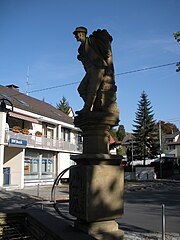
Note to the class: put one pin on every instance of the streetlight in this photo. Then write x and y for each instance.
(3, 105)
(5, 110)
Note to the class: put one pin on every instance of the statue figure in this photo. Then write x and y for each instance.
(97, 88)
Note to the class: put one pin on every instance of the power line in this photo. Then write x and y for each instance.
(173, 120)
(145, 69)
(49, 88)
(123, 73)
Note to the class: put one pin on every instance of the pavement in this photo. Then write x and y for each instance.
(36, 202)
(143, 209)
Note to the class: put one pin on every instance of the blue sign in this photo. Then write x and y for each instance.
(17, 142)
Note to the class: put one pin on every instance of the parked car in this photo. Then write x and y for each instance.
(123, 164)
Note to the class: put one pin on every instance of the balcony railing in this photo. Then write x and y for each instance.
(43, 142)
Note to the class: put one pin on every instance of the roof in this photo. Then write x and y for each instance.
(128, 138)
(27, 103)
(111, 140)
(172, 135)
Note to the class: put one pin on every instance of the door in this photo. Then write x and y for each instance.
(6, 173)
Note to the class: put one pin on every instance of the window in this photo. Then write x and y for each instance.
(65, 134)
(172, 147)
(80, 139)
(49, 133)
(31, 168)
(38, 165)
(47, 166)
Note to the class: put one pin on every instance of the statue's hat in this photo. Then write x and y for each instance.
(80, 29)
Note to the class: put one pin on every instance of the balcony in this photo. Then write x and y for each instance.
(43, 142)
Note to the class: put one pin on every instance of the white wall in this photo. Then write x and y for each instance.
(36, 127)
(14, 158)
(64, 162)
(178, 150)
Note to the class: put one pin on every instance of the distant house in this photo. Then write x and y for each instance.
(113, 145)
(36, 140)
(171, 144)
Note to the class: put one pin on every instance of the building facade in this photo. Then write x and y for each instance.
(36, 140)
(171, 144)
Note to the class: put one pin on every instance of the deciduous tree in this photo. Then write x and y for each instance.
(177, 38)
(121, 132)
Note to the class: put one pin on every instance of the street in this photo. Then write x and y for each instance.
(143, 207)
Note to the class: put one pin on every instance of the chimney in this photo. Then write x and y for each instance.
(12, 86)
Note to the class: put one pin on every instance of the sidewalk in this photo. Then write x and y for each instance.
(14, 200)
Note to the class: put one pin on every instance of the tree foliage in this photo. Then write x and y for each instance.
(121, 133)
(178, 67)
(63, 105)
(177, 38)
(145, 131)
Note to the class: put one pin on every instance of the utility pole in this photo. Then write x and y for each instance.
(132, 154)
(160, 144)
(160, 140)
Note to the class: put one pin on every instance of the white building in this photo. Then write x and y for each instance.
(27, 158)
(172, 144)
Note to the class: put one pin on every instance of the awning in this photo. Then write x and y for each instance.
(23, 117)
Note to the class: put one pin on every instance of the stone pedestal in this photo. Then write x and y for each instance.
(96, 192)
(97, 183)
(95, 128)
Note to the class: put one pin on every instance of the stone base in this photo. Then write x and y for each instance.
(104, 230)
(95, 128)
(96, 192)
(97, 159)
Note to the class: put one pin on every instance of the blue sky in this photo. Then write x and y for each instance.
(38, 34)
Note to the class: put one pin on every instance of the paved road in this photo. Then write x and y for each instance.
(142, 211)
(143, 205)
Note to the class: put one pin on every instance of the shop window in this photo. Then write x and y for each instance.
(38, 165)
(31, 165)
(47, 167)
(31, 168)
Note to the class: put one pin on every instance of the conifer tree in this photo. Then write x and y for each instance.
(145, 131)
(63, 105)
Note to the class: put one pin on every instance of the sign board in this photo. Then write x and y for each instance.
(13, 142)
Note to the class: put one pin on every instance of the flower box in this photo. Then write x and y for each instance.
(38, 134)
(16, 129)
(25, 131)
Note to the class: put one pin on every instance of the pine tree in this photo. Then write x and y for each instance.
(64, 106)
(145, 132)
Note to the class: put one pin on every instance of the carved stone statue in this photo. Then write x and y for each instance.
(96, 183)
(97, 88)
